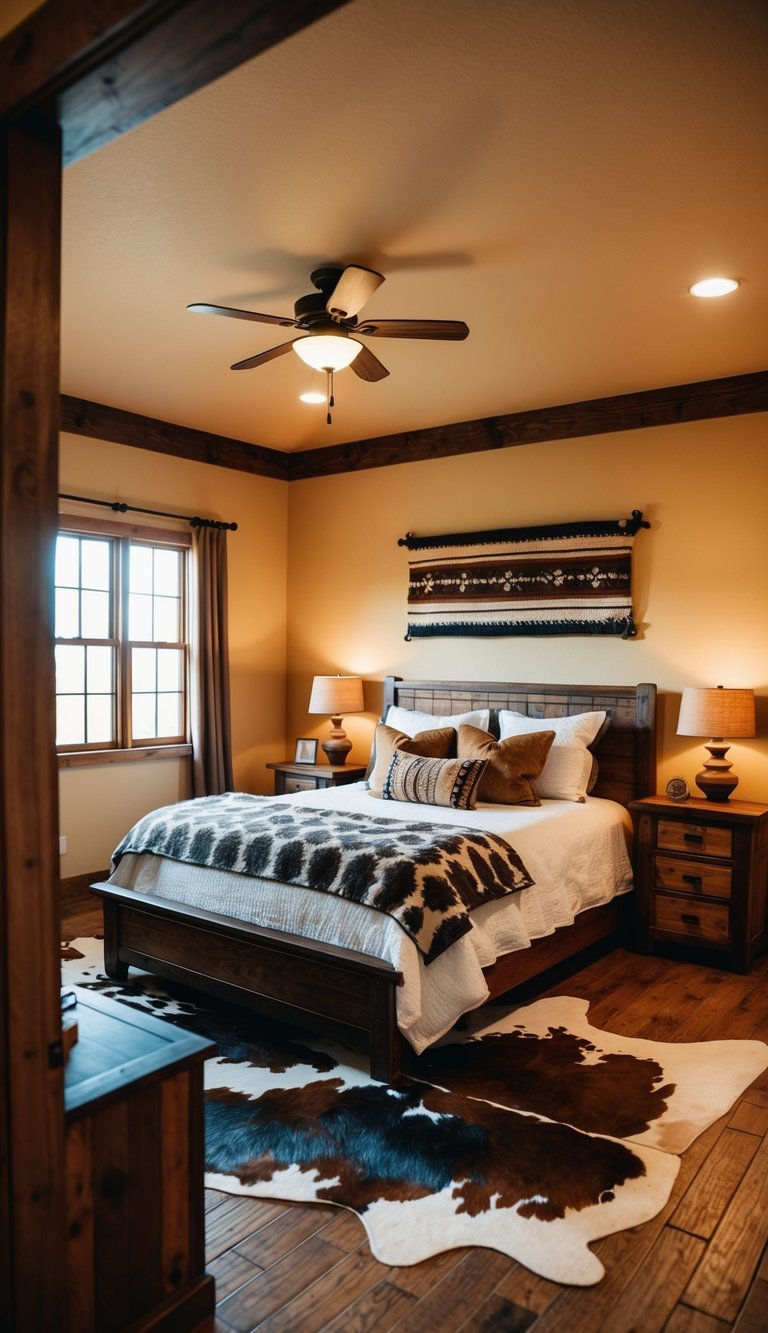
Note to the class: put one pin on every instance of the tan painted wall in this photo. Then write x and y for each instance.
(98, 804)
(700, 572)
(324, 555)
(14, 12)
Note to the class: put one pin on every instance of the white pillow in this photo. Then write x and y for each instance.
(412, 722)
(565, 775)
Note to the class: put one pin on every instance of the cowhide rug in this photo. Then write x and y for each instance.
(533, 1133)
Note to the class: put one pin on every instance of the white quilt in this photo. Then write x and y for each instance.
(576, 853)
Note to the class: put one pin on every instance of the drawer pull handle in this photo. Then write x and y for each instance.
(693, 837)
(692, 879)
(689, 919)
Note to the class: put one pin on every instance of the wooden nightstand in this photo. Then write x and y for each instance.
(701, 876)
(313, 777)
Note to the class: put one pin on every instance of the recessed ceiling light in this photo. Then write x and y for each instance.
(312, 396)
(713, 287)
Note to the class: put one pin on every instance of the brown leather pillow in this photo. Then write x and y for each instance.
(439, 743)
(513, 764)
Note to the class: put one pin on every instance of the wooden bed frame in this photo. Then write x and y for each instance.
(344, 993)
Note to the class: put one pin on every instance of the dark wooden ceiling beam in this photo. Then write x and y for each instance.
(97, 422)
(729, 397)
(630, 411)
(113, 63)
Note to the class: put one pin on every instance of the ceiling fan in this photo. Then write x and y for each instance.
(328, 321)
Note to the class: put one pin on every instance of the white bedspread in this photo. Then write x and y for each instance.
(577, 855)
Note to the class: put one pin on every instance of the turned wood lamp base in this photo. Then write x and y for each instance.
(716, 779)
(338, 744)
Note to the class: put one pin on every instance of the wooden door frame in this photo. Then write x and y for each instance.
(91, 69)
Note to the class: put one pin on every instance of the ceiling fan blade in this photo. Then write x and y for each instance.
(451, 330)
(354, 288)
(202, 308)
(259, 360)
(368, 367)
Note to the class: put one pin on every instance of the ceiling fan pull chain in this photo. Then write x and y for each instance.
(329, 393)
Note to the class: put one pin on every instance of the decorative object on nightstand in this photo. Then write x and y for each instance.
(701, 876)
(677, 789)
(337, 696)
(717, 713)
(306, 750)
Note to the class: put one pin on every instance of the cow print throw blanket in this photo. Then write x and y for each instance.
(429, 877)
(534, 1134)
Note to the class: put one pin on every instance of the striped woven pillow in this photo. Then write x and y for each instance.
(452, 782)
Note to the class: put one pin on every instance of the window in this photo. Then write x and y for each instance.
(121, 646)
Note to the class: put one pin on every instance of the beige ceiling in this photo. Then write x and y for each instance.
(554, 172)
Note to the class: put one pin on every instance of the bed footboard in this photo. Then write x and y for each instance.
(320, 987)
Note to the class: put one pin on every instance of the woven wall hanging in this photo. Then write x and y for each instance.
(566, 578)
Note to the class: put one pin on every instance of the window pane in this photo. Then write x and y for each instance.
(95, 564)
(70, 720)
(141, 569)
(169, 663)
(67, 561)
(166, 572)
(67, 614)
(166, 620)
(143, 670)
(100, 718)
(70, 669)
(89, 597)
(169, 715)
(95, 615)
(100, 673)
(140, 617)
(144, 716)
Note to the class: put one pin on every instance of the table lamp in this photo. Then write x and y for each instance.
(716, 713)
(337, 696)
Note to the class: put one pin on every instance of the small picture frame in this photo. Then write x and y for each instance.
(306, 750)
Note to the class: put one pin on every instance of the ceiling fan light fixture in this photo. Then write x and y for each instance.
(312, 396)
(327, 351)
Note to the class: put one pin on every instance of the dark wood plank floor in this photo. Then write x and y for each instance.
(701, 1266)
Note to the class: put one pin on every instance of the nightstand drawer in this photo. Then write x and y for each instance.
(293, 777)
(695, 920)
(682, 876)
(702, 838)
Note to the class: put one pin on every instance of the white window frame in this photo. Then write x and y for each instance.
(123, 534)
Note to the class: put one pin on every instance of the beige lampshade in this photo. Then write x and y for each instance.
(336, 695)
(716, 712)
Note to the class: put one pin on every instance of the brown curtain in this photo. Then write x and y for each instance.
(209, 674)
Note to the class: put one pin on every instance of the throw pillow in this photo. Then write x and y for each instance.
(513, 764)
(566, 774)
(411, 721)
(439, 743)
(452, 782)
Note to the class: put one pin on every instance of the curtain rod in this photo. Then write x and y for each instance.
(121, 508)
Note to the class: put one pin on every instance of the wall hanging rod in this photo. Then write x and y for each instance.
(120, 508)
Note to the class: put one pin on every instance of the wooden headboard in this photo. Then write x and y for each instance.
(626, 754)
